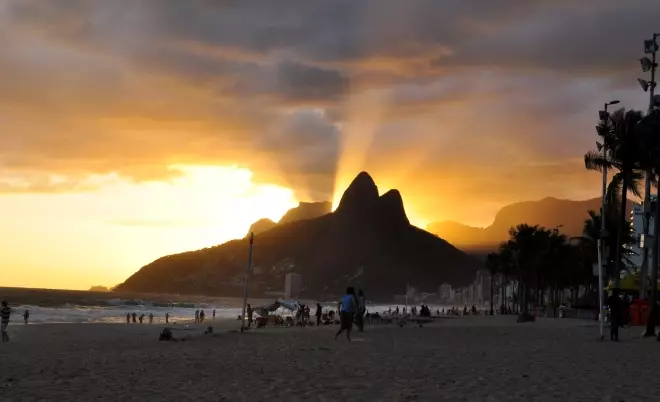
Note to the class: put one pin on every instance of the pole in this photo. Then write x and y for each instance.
(247, 281)
(602, 258)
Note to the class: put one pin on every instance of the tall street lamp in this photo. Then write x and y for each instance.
(602, 257)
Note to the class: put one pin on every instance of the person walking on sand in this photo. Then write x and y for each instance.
(134, 315)
(141, 318)
(151, 318)
(26, 316)
(319, 313)
(128, 318)
(196, 316)
(202, 315)
(348, 310)
(167, 318)
(214, 314)
(5, 313)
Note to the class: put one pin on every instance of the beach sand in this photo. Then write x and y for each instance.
(455, 359)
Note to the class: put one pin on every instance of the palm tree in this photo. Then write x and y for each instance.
(529, 245)
(591, 232)
(624, 153)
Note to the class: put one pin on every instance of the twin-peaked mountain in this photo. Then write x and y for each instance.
(367, 242)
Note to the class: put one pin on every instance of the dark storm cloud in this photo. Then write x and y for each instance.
(130, 85)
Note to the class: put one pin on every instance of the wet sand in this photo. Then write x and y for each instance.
(455, 359)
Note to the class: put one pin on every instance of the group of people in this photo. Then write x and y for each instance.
(5, 314)
(352, 309)
(139, 319)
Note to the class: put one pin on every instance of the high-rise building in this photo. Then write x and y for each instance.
(444, 292)
(637, 229)
(293, 284)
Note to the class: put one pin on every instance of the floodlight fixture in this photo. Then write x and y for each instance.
(647, 64)
(644, 84)
(650, 45)
(614, 102)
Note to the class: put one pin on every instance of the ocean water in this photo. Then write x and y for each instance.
(115, 312)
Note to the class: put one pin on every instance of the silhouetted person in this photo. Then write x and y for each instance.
(141, 318)
(361, 310)
(128, 318)
(26, 316)
(348, 310)
(615, 314)
(214, 314)
(202, 315)
(5, 313)
(151, 318)
(319, 313)
(134, 317)
(250, 313)
(196, 316)
(167, 318)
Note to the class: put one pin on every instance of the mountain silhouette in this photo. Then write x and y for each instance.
(367, 242)
(304, 210)
(549, 212)
(261, 226)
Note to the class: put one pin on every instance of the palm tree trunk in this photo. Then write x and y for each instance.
(622, 228)
(650, 324)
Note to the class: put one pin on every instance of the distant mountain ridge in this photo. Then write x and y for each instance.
(549, 212)
(367, 242)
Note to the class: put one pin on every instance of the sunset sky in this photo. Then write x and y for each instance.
(134, 129)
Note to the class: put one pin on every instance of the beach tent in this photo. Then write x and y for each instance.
(263, 311)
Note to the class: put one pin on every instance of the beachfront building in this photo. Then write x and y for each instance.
(293, 284)
(637, 227)
(444, 292)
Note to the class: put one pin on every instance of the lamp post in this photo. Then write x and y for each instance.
(650, 48)
(602, 252)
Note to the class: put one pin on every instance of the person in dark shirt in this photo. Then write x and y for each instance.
(319, 313)
(250, 314)
(614, 303)
(5, 312)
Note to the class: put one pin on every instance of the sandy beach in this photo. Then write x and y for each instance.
(457, 359)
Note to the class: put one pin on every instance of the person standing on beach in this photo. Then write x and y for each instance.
(201, 316)
(151, 318)
(361, 310)
(347, 313)
(319, 313)
(214, 314)
(196, 316)
(250, 314)
(134, 315)
(5, 313)
(26, 316)
(167, 318)
(128, 318)
(614, 304)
